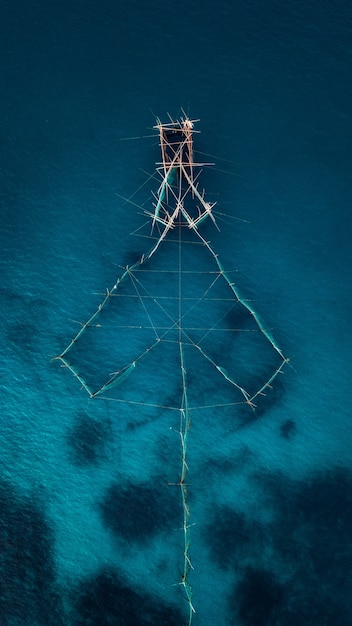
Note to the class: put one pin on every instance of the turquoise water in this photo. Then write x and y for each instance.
(91, 529)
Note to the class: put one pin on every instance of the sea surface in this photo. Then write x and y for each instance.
(91, 517)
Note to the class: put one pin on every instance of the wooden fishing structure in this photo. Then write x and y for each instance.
(180, 206)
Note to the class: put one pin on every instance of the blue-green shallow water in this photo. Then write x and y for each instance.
(90, 532)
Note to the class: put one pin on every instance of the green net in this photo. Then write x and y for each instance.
(175, 318)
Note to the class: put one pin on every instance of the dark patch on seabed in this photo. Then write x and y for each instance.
(89, 439)
(309, 539)
(105, 600)
(259, 597)
(288, 429)
(136, 512)
(28, 592)
(23, 316)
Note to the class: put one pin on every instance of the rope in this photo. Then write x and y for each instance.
(173, 213)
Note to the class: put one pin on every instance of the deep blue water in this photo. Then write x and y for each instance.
(90, 529)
